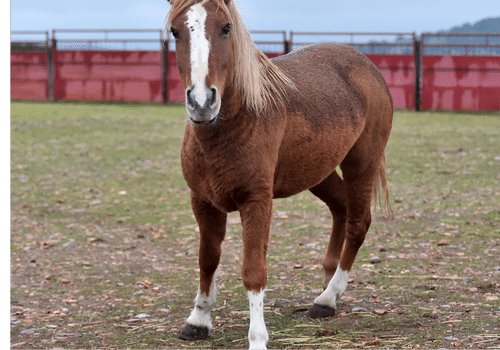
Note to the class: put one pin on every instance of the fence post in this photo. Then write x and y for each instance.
(287, 46)
(286, 43)
(418, 72)
(165, 70)
(52, 67)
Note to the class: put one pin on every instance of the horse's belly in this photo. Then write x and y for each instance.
(294, 177)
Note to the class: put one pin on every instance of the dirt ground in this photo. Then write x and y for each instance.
(129, 287)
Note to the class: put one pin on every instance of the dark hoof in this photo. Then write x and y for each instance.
(318, 311)
(190, 332)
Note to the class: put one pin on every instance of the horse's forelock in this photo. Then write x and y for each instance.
(179, 6)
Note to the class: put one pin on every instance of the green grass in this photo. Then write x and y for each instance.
(85, 155)
(69, 158)
(98, 198)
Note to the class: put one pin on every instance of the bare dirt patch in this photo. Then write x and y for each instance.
(134, 291)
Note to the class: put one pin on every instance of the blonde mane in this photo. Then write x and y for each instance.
(260, 82)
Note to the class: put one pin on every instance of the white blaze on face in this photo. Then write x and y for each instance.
(200, 49)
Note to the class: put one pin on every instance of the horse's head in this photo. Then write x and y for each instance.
(204, 56)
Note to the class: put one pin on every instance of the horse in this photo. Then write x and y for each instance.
(260, 129)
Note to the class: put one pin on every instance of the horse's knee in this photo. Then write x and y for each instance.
(254, 277)
(209, 257)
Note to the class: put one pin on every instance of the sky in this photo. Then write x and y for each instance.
(290, 15)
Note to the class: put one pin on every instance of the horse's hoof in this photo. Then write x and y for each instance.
(318, 311)
(190, 332)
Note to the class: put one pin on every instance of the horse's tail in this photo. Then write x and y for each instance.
(380, 191)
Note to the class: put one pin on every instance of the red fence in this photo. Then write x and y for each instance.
(29, 76)
(450, 82)
(461, 83)
(108, 76)
(466, 77)
(175, 89)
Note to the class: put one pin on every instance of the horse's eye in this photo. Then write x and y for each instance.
(226, 29)
(175, 33)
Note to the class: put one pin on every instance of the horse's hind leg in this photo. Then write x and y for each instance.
(332, 192)
(212, 224)
(359, 179)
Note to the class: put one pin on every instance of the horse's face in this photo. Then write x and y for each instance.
(204, 58)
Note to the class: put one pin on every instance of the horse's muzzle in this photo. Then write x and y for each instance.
(202, 105)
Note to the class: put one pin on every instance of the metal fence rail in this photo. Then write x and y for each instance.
(108, 39)
(30, 40)
(402, 44)
(461, 43)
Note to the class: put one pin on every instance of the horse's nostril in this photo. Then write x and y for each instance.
(213, 98)
(189, 99)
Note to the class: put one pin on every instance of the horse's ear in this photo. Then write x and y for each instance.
(227, 2)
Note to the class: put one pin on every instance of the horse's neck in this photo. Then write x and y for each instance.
(231, 104)
(225, 138)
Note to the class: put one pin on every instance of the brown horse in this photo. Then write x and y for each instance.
(261, 129)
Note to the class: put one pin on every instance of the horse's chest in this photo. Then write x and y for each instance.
(218, 180)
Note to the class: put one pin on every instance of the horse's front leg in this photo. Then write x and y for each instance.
(212, 224)
(256, 219)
